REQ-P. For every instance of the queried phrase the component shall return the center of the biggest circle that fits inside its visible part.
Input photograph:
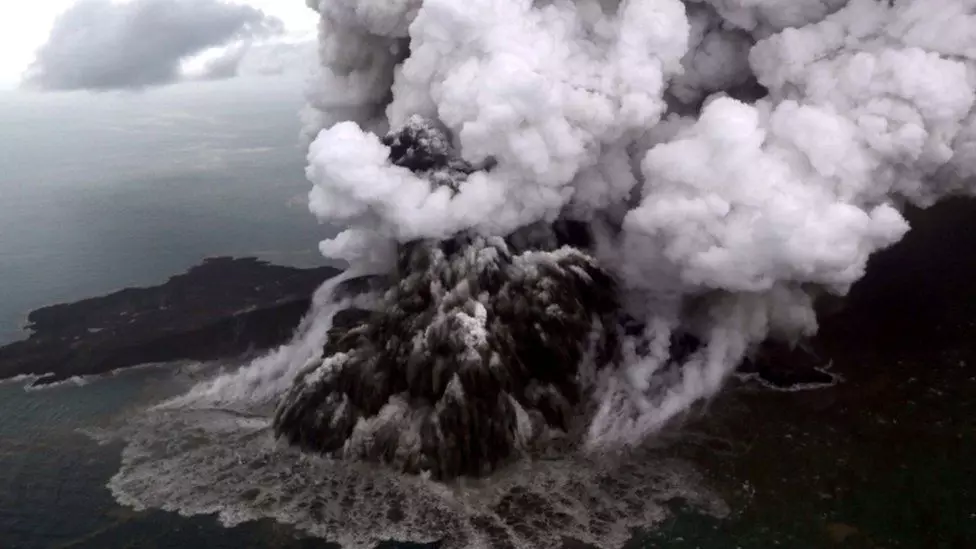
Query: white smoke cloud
(722, 213)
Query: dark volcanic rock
(472, 356)
(223, 307)
(475, 350)
(781, 365)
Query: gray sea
(53, 474)
(101, 192)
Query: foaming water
(197, 462)
(212, 451)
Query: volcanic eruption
(472, 354)
(566, 223)
(553, 193)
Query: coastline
(827, 467)
(227, 307)
(220, 308)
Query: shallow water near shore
(56, 462)
(53, 475)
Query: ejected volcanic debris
(473, 354)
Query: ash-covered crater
(478, 349)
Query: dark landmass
(919, 296)
(223, 307)
(883, 459)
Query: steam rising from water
(211, 451)
(732, 159)
(719, 216)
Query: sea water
(102, 192)
(98, 193)
(54, 470)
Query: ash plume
(727, 161)
(471, 356)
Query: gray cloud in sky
(102, 45)
(227, 65)
(267, 59)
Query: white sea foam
(194, 462)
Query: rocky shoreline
(221, 308)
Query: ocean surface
(101, 192)
(53, 473)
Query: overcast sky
(26, 26)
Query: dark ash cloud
(103, 45)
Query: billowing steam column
(471, 356)
(731, 160)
